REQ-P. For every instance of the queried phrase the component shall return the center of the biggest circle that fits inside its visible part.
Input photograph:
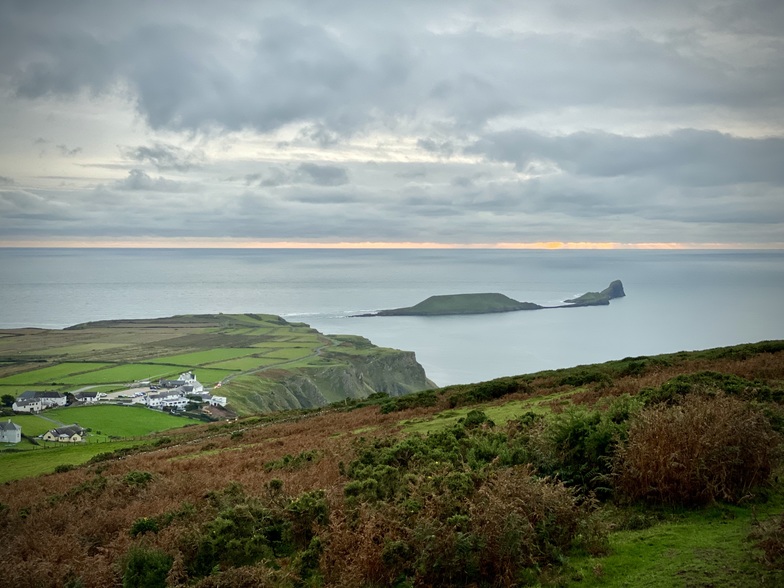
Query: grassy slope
(119, 421)
(25, 464)
(700, 547)
(216, 347)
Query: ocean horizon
(675, 300)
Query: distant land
(259, 362)
(486, 303)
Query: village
(167, 395)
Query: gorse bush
(696, 452)
(146, 568)
(247, 530)
(710, 384)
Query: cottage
(217, 400)
(31, 405)
(185, 379)
(68, 434)
(87, 397)
(10, 432)
(48, 399)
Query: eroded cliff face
(351, 376)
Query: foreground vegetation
(650, 471)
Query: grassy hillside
(462, 304)
(648, 471)
(114, 355)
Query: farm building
(167, 399)
(184, 379)
(87, 397)
(48, 399)
(10, 432)
(67, 434)
(216, 400)
(31, 405)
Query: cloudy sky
(464, 122)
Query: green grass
(500, 414)
(76, 349)
(54, 373)
(282, 344)
(700, 548)
(197, 358)
(124, 374)
(291, 353)
(120, 421)
(25, 464)
(244, 364)
(32, 425)
(209, 376)
(16, 391)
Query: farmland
(115, 354)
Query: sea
(675, 300)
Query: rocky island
(486, 303)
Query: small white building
(217, 400)
(27, 405)
(10, 432)
(187, 379)
(87, 397)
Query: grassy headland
(649, 471)
(485, 303)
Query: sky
(441, 123)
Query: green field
(291, 353)
(54, 373)
(244, 364)
(119, 421)
(32, 425)
(24, 464)
(124, 374)
(197, 358)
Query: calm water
(675, 300)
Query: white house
(10, 432)
(184, 379)
(68, 434)
(167, 399)
(87, 397)
(47, 399)
(31, 405)
(217, 400)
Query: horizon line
(189, 243)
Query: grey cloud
(322, 175)
(305, 173)
(65, 151)
(687, 156)
(317, 67)
(444, 148)
(6, 181)
(164, 156)
(139, 180)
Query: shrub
(486, 391)
(768, 536)
(582, 444)
(696, 452)
(63, 467)
(138, 479)
(424, 398)
(144, 525)
(145, 568)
